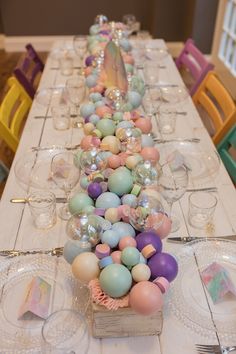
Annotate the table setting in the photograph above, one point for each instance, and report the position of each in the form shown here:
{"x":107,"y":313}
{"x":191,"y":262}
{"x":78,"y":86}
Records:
{"x":118,"y":217}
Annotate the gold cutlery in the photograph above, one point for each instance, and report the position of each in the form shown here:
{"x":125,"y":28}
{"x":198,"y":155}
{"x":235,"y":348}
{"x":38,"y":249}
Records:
{"x":41,"y":148}
{"x":188,"y":239}
{"x":43,"y":117}
{"x":204,"y":189}
{"x":25,"y":200}
{"x":58,"y":251}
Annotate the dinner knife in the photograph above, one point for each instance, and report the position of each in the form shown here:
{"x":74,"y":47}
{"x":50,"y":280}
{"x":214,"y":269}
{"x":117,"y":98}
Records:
{"x":188,"y":239}
{"x":25,"y":200}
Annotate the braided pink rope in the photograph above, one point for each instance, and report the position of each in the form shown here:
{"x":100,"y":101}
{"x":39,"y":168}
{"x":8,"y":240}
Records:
{"x":100,"y":298}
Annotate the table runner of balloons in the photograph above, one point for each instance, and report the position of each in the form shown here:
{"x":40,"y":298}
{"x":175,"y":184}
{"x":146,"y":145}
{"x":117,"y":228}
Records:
{"x":118,"y":221}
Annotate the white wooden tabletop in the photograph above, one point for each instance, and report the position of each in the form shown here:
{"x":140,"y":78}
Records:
{"x":17,"y":230}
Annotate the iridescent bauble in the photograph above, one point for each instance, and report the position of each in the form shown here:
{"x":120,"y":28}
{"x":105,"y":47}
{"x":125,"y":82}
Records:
{"x":146,"y":174}
{"x":92,"y":160}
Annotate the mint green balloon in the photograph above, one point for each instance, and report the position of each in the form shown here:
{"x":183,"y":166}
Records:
{"x":120,"y":182}
{"x":106,"y":127}
{"x":115,"y":280}
{"x":130,"y":256}
{"x":118,"y":116}
{"x":79,"y":202}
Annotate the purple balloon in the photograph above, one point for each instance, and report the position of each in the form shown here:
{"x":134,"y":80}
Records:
{"x":148,"y":237}
{"x":86,"y":120}
{"x":104,"y":32}
{"x":163,"y":265}
{"x":94,"y":190}
{"x":89,"y":60}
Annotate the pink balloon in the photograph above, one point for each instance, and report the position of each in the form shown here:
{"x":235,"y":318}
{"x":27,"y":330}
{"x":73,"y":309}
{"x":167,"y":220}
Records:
{"x":151,"y":154}
{"x":164,"y":229}
{"x":127,"y":241}
{"x":116,"y":257}
{"x":114,"y":161}
{"x":145,"y":298}
{"x":144,"y":124}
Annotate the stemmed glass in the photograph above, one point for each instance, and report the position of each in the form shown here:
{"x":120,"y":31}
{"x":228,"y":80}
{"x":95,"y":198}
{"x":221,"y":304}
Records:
{"x":75,"y":91}
{"x":80,"y":47}
{"x":172,"y":185}
{"x":66,"y":175}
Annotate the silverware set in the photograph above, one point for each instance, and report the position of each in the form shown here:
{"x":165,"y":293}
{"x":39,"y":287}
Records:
{"x":214,"y":349}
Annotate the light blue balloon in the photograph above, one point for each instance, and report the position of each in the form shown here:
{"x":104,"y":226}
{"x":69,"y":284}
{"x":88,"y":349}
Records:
{"x":142,"y":259}
{"x":127,"y":107}
{"x":129,"y":199}
{"x":134,"y":98}
{"x":125,"y":45}
{"x":87,"y":109}
{"x":94,"y":118}
{"x":95,"y":96}
{"x":107,"y":200}
{"x":123,"y":229}
{"x":84,"y":182}
{"x":98,"y":104}
{"x":110,"y":237}
{"x":125,"y":124}
{"x":91,"y":80}
{"x":115,"y":280}
{"x":73,"y":248}
{"x":130,"y":256}
{"x":147,"y":141}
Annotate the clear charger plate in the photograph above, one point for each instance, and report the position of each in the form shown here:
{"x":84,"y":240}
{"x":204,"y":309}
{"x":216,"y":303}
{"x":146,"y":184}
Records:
{"x":15,"y":275}
{"x":50,"y":95}
{"x":190,"y":301}
{"x":203,"y":165}
{"x":32,"y":170}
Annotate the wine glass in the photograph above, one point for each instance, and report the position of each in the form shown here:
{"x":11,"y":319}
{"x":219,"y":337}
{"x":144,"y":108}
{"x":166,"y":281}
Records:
{"x":66,"y":175}
{"x":75,"y":91}
{"x":80,"y":47}
{"x":172,"y":185}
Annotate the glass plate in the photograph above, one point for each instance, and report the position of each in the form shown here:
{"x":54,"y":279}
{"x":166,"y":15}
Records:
{"x":186,"y":296}
{"x":204,"y":165}
{"x":50,"y":95}
{"x":15,"y":275}
{"x":174,"y":93}
{"x":32,"y":170}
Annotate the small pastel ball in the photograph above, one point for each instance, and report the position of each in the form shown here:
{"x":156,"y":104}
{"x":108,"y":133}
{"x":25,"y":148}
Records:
{"x":98,"y":104}
{"x":87,"y":109}
{"x":73,"y":248}
{"x":142,"y":259}
{"x":118,"y":116}
{"x":125,"y":124}
{"x":120,"y":182}
{"x":115,"y":280}
{"x":132,"y":161}
{"x":134,"y":98}
{"x":107,"y":200}
{"x":89,"y":209}
{"x":106,"y":127}
{"x":110,"y":237}
{"x":114,"y":161}
{"x":88,"y":128}
{"x":95,"y":96}
{"x":149,"y":237}
{"x":123,"y":229}
{"x":84,"y":182}
{"x":94,"y":119}
{"x":145,"y":298}
{"x":94,"y":190}
{"x":147,"y":141}
{"x":129,"y":199}
{"x":89,"y":60}
{"x":111,"y":143}
{"x":140,"y":272}
{"x":112,"y":215}
{"x":125,"y":44}
{"x":150,"y":154}
{"x":116,"y":257}
{"x":78,"y":202}
{"x":144,"y":124}
{"x":102,"y":110}
{"x":85,"y":267}
{"x":91,"y":80}
{"x":127,"y":241}
{"x":130,"y":256}
{"x":163,"y":265}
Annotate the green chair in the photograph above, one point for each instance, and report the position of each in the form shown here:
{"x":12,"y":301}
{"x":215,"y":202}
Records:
{"x":227,"y":150}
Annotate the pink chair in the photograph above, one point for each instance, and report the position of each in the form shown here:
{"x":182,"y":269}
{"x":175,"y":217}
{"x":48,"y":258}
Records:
{"x":194,"y":61}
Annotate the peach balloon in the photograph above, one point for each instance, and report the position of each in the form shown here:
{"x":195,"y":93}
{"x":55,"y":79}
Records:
{"x":123,"y":156}
{"x":144,"y":124}
{"x":151,"y":154}
{"x":145,"y":298}
{"x":102,"y":110}
{"x":98,"y":88}
{"x":88,"y":128}
{"x":127,"y":241}
{"x":89,"y":141}
{"x":85,"y":267}
{"x":88,"y":71}
{"x":111,"y":143}
{"x":114,"y":161}
{"x":128,"y":59}
{"x":164,"y":229}
{"x":116,"y":257}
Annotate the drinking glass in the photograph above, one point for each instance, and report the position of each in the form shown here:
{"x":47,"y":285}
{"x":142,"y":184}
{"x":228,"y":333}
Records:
{"x":42,"y":206}
{"x":75,"y":91}
{"x":166,"y":119}
{"x":61,"y":116}
{"x":172,"y":185}
{"x":65,"y":332}
{"x":80,"y":47}
{"x":151,"y":73}
{"x":66,"y":65}
{"x":66,"y":175}
{"x":201,"y":208}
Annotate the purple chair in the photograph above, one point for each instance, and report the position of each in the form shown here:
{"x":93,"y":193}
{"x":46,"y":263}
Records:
{"x":28,"y":69}
{"x":195,"y":62}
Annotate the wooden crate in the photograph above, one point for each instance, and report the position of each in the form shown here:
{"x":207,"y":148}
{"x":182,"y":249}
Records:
{"x":124,"y":323}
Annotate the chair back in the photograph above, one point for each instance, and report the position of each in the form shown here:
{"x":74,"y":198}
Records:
{"x":227,"y":151}
{"x":193,"y":59}
{"x":34,"y":55}
{"x":14,"y":108}
{"x":216,"y":101}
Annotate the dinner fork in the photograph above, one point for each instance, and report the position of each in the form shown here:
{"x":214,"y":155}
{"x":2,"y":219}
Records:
{"x":163,"y":141}
{"x":214,"y":349}
{"x":58,"y":251}
{"x":41,"y":148}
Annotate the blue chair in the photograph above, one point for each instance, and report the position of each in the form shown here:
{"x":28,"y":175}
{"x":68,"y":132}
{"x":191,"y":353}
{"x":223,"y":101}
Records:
{"x":227,"y":151}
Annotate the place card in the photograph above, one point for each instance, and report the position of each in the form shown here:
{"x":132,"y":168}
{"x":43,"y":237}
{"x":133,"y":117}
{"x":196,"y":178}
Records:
{"x":36,"y":299}
{"x":217,"y":281}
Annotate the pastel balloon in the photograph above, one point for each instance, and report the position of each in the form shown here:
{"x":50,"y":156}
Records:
{"x":88,"y":141}
{"x":145,"y":298}
{"x":115,"y":280}
{"x":163,"y":230}
{"x":88,"y":128}
{"x":107,"y":200}
{"x":123,"y":229}
{"x":111,"y":238}
{"x":130,"y":256}
{"x":87,"y":109}
{"x":133,"y":160}
{"x":73,"y":248}
{"x":120,"y":182}
{"x":163,"y":265}
{"x":91,"y":81}
{"x":102,"y":110}
{"x":147,"y":141}
{"x":114,"y":161}
{"x":116,"y":257}
{"x":127,"y":241}
{"x":149,"y":238}
{"x":140,"y":272}
{"x":106,"y":126}
{"x":78,"y":202}
{"x":95,"y":97}
{"x":150,"y":154}
{"x":144,"y":124}
{"x":94,"y":190}
{"x":134,"y":98}
{"x":85,"y":267}
{"x":112,"y":215}
{"x":94,"y":119}
{"x":111,"y":143}
{"x":118,"y":116}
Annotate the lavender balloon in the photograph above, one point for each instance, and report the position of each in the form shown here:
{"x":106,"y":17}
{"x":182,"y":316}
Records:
{"x":94,"y":190}
{"x":89,"y":60}
{"x":163,"y":265}
{"x":148,"y":237}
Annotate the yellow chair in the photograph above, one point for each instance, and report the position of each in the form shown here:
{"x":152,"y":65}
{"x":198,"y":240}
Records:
{"x":14,"y":108}
{"x":213,"y":99}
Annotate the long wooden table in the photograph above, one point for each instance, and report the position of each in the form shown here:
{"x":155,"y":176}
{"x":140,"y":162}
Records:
{"x":18,"y":232}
